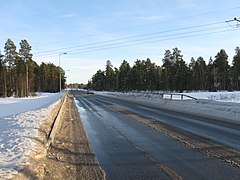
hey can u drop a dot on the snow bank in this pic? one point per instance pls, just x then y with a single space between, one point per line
11 106
20 121
218 105
217 96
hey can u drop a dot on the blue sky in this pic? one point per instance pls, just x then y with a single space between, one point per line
94 31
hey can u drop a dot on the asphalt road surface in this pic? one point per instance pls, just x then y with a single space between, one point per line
136 141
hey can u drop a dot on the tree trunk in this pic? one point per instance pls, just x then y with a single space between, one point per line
27 90
5 83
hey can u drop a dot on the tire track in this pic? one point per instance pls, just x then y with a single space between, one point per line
169 172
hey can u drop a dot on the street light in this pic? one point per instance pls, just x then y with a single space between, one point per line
67 79
60 82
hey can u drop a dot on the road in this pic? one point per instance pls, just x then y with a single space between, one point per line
136 141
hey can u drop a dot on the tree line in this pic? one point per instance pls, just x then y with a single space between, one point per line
174 74
20 74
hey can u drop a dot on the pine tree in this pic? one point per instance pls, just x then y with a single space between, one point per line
2 75
110 76
199 69
181 75
192 75
20 78
26 56
123 79
150 70
137 76
10 59
159 84
98 81
116 80
222 68
167 70
236 68
211 76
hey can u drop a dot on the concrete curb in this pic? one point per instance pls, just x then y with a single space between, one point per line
55 125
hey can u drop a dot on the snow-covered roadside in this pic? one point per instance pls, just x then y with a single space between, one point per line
219 105
20 120
12 106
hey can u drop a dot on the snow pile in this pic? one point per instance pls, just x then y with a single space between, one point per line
20 121
218 105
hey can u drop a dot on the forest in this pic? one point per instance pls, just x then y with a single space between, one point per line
173 75
21 76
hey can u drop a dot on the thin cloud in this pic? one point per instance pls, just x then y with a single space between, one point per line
70 15
152 18
186 4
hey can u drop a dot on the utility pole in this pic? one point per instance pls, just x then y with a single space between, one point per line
234 20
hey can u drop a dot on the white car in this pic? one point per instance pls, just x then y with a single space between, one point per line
89 91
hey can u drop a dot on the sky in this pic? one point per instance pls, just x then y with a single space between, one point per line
94 31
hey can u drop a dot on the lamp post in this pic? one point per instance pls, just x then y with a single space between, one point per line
60 82
67 76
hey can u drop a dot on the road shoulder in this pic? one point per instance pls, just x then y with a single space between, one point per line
70 155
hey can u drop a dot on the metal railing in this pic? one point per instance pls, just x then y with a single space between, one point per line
179 95
172 95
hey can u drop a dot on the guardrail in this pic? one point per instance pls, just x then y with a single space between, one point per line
171 95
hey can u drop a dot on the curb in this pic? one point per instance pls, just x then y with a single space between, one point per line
56 123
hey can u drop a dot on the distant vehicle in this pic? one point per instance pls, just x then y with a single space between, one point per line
89 91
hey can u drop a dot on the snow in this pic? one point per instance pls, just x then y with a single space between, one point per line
20 119
11 106
223 106
217 96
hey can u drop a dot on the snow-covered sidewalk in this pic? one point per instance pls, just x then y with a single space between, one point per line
20 120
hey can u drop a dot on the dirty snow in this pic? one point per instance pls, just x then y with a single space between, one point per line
20 119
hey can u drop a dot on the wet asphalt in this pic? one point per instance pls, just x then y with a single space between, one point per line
127 149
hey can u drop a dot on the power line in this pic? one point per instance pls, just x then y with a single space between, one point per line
71 48
150 38
132 43
147 24
161 40
125 44
130 37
